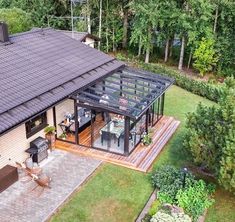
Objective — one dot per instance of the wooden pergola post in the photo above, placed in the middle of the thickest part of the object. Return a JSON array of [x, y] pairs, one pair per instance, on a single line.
[[76, 121], [126, 135]]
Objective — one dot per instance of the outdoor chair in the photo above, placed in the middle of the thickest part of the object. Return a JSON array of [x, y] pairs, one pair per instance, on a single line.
[[30, 166], [33, 172], [42, 181], [105, 136]]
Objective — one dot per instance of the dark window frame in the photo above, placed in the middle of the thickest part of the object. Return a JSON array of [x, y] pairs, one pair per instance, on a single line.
[[30, 130]]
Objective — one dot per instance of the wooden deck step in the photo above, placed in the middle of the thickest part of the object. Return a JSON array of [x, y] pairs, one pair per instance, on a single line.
[[157, 135], [97, 154], [141, 158], [158, 146], [157, 139], [146, 164]]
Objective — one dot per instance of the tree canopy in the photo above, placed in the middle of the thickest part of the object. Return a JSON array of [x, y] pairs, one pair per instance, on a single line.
[[171, 31], [17, 19]]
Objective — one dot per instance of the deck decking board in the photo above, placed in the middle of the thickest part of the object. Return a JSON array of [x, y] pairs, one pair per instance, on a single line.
[[141, 158], [146, 164]]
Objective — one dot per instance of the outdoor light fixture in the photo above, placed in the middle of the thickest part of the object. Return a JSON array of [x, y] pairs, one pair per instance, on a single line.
[[185, 171]]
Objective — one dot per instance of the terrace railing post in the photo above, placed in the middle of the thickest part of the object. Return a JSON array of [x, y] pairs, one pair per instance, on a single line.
[[147, 121], [158, 108], [162, 104], [54, 121], [135, 85], [76, 121], [126, 135], [121, 85], [92, 126], [103, 87]]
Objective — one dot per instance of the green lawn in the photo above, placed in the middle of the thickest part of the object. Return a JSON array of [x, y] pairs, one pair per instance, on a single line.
[[114, 194], [118, 194], [224, 208]]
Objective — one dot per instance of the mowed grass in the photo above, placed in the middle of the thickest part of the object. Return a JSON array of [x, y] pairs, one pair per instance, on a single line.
[[114, 194], [224, 208], [117, 194]]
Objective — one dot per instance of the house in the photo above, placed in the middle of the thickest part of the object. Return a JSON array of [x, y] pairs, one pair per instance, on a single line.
[[94, 100], [84, 37]]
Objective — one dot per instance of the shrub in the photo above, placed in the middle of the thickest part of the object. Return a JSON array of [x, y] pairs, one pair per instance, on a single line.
[[169, 180], [205, 56], [210, 137], [154, 207], [195, 198], [146, 218], [210, 91], [161, 216]]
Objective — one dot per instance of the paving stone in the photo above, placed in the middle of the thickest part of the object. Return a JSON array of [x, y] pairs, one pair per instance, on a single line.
[[22, 204]]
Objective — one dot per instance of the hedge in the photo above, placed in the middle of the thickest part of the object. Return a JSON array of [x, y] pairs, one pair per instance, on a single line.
[[210, 91]]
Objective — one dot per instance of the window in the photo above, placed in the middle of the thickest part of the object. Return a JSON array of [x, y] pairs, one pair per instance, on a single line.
[[36, 124]]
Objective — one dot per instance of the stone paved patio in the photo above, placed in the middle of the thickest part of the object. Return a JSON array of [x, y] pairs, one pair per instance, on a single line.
[[20, 203]]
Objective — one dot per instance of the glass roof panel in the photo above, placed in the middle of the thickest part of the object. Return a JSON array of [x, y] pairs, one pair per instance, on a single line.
[[127, 92]]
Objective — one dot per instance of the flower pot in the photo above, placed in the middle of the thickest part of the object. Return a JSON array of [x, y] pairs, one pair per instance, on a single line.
[[51, 140]]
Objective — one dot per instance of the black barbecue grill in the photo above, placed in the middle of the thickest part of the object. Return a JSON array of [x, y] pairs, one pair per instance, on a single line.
[[38, 149]]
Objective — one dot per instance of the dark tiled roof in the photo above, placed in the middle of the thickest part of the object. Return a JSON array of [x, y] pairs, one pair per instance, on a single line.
[[42, 67]]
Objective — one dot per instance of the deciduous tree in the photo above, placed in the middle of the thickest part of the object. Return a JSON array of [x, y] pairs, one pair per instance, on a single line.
[[17, 19]]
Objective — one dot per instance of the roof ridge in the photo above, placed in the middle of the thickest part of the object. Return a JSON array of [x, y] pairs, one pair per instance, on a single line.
[[62, 30], [33, 30]]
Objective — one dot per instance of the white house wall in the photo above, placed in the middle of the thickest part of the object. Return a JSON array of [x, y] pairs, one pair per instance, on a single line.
[[14, 143], [90, 42]]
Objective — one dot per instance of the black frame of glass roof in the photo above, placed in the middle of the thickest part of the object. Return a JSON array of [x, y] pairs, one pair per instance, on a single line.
[[138, 89]]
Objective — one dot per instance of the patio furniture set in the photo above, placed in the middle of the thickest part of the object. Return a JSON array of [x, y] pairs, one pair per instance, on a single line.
[[35, 174]]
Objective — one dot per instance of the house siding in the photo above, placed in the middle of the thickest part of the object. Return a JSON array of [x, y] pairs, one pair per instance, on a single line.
[[90, 42], [14, 143]]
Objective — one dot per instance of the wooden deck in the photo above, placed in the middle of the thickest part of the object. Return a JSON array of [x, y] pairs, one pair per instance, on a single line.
[[141, 158]]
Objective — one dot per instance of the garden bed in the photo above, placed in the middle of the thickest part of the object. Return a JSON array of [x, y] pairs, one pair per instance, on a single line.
[[180, 197]]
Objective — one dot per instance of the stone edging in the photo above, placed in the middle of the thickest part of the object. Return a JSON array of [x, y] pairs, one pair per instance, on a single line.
[[147, 206]]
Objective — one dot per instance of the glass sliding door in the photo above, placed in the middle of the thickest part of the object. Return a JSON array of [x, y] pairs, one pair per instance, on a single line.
[[85, 119], [64, 115], [161, 106], [137, 130], [157, 110], [108, 132]]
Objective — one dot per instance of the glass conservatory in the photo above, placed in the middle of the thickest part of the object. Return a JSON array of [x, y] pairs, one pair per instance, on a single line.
[[113, 113]]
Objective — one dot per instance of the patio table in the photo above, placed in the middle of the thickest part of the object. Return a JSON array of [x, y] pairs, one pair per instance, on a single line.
[[113, 129], [65, 127]]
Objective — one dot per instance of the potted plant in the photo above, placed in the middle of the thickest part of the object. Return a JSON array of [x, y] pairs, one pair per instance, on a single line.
[[50, 136], [63, 136], [147, 139]]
